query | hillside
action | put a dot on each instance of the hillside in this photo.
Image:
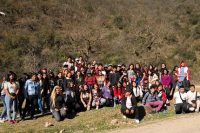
(36, 33)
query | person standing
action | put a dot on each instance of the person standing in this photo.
(31, 91)
(3, 94)
(11, 88)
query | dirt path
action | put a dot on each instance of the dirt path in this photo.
(188, 124)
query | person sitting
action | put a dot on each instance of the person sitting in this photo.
(107, 93)
(151, 100)
(117, 93)
(137, 91)
(193, 99)
(179, 100)
(97, 99)
(129, 106)
(162, 96)
(86, 97)
(58, 106)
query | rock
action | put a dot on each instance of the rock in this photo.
(114, 122)
(48, 124)
(62, 131)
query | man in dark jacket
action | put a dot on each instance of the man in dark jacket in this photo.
(114, 76)
(129, 106)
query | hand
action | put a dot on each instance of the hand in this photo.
(65, 108)
(56, 109)
(85, 105)
(12, 97)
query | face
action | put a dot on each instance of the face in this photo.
(59, 75)
(39, 76)
(137, 65)
(149, 72)
(11, 77)
(182, 64)
(163, 66)
(118, 68)
(131, 66)
(160, 88)
(108, 84)
(152, 90)
(44, 75)
(100, 72)
(118, 85)
(124, 84)
(58, 90)
(165, 71)
(95, 87)
(128, 94)
(85, 87)
(69, 75)
(182, 90)
(33, 77)
(134, 84)
(192, 89)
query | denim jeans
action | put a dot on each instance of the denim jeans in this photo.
(40, 103)
(59, 115)
(3, 114)
(11, 103)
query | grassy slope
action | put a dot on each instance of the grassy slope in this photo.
(92, 121)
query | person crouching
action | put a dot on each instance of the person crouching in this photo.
(129, 106)
(58, 105)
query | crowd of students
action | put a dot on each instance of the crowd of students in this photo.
(80, 86)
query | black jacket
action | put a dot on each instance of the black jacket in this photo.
(133, 101)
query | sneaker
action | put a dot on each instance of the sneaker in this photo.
(191, 109)
(137, 121)
(124, 117)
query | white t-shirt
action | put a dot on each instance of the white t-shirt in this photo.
(12, 88)
(128, 103)
(191, 96)
(177, 97)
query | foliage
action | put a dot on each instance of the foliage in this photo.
(39, 33)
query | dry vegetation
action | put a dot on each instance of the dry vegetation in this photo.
(37, 33)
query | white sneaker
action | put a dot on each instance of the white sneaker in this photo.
(191, 108)
(137, 121)
(124, 116)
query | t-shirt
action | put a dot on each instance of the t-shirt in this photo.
(178, 99)
(129, 103)
(191, 96)
(12, 87)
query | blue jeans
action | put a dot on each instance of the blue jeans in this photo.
(11, 103)
(40, 103)
(3, 114)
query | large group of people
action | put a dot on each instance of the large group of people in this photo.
(81, 86)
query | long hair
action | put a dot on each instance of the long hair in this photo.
(53, 95)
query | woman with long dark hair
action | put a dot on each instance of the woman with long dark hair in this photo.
(11, 88)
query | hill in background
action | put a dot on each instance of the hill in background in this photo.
(36, 33)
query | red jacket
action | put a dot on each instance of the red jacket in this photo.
(117, 92)
(91, 80)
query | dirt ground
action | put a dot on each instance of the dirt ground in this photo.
(185, 124)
